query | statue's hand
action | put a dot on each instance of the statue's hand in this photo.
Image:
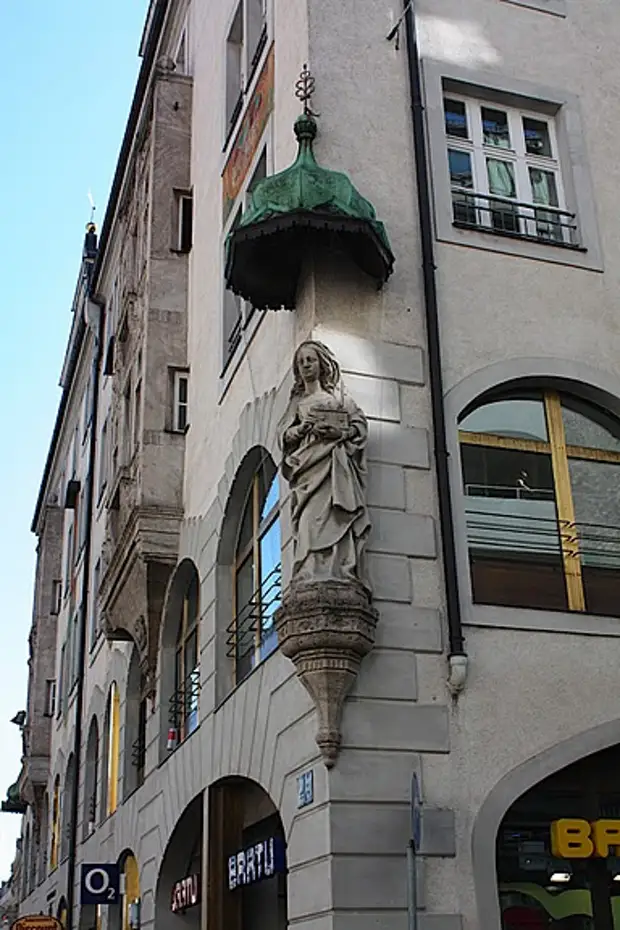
(325, 431)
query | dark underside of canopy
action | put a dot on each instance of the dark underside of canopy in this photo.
(265, 259)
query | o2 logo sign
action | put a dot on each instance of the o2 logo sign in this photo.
(100, 883)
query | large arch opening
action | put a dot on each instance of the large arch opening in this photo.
(540, 462)
(247, 858)
(248, 571)
(134, 755)
(558, 850)
(178, 897)
(180, 658)
(125, 914)
(91, 779)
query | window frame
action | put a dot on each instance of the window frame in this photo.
(113, 735)
(177, 376)
(50, 697)
(247, 321)
(186, 629)
(252, 551)
(183, 197)
(55, 822)
(560, 453)
(522, 162)
(501, 91)
(249, 68)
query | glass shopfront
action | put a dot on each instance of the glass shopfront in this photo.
(558, 850)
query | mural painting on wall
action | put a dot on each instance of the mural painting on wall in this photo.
(249, 135)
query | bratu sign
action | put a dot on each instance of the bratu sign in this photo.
(185, 893)
(257, 862)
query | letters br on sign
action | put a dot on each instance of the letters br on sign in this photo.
(249, 135)
(579, 839)
(185, 893)
(257, 862)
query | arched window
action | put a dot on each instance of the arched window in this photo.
(55, 837)
(557, 862)
(112, 749)
(44, 839)
(134, 735)
(91, 778)
(184, 703)
(131, 894)
(62, 912)
(67, 804)
(540, 475)
(256, 572)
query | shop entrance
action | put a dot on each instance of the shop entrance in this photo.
(247, 858)
(178, 896)
(558, 850)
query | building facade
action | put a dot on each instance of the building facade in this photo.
(208, 746)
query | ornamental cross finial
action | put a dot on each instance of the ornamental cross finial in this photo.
(304, 89)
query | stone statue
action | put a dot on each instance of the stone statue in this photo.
(323, 437)
(326, 622)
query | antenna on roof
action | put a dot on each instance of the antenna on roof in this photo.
(92, 206)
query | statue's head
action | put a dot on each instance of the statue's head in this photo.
(314, 360)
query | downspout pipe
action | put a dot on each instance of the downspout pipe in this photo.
(79, 698)
(457, 656)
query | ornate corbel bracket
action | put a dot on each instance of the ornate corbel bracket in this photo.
(326, 628)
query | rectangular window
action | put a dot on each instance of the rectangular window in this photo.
(505, 174)
(103, 460)
(50, 697)
(56, 597)
(180, 398)
(69, 555)
(185, 222)
(237, 312)
(137, 414)
(246, 41)
(94, 616)
(62, 677)
(127, 431)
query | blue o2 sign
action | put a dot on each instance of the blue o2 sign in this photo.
(257, 862)
(100, 883)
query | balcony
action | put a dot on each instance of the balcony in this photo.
(521, 555)
(502, 216)
(251, 634)
(183, 709)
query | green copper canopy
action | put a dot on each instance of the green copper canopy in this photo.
(13, 803)
(290, 213)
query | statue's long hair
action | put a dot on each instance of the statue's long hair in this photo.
(329, 369)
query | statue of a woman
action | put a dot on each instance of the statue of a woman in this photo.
(323, 437)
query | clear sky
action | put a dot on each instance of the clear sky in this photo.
(68, 77)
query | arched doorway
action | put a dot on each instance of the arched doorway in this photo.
(558, 850)
(178, 896)
(125, 915)
(247, 858)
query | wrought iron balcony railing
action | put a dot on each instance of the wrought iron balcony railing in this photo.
(517, 219)
(183, 705)
(253, 624)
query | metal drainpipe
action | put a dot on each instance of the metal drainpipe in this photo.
(79, 700)
(457, 655)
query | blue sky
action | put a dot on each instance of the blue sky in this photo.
(68, 78)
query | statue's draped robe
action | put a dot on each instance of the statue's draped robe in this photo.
(327, 479)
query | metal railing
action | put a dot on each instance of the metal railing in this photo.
(183, 703)
(518, 219)
(253, 623)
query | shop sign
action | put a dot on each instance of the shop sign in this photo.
(305, 789)
(250, 132)
(251, 865)
(36, 922)
(579, 839)
(185, 893)
(100, 883)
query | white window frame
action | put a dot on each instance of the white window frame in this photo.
(248, 317)
(499, 91)
(50, 697)
(179, 376)
(56, 597)
(183, 198)
(249, 65)
(520, 160)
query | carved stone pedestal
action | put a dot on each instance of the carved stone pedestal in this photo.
(326, 629)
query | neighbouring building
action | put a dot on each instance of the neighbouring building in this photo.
(429, 190)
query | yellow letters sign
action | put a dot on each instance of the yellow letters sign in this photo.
(578, 839)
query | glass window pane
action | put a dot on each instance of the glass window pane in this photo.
(587, 426)
(495, 130)
(501, 176)
(461, 174)
(245, 612)
(536, 134)
(271, 498)
(523, 419)
(596, 499)
(512, 530)
(246, 529)
(270, 553)
(456, 118)
(544, 188)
